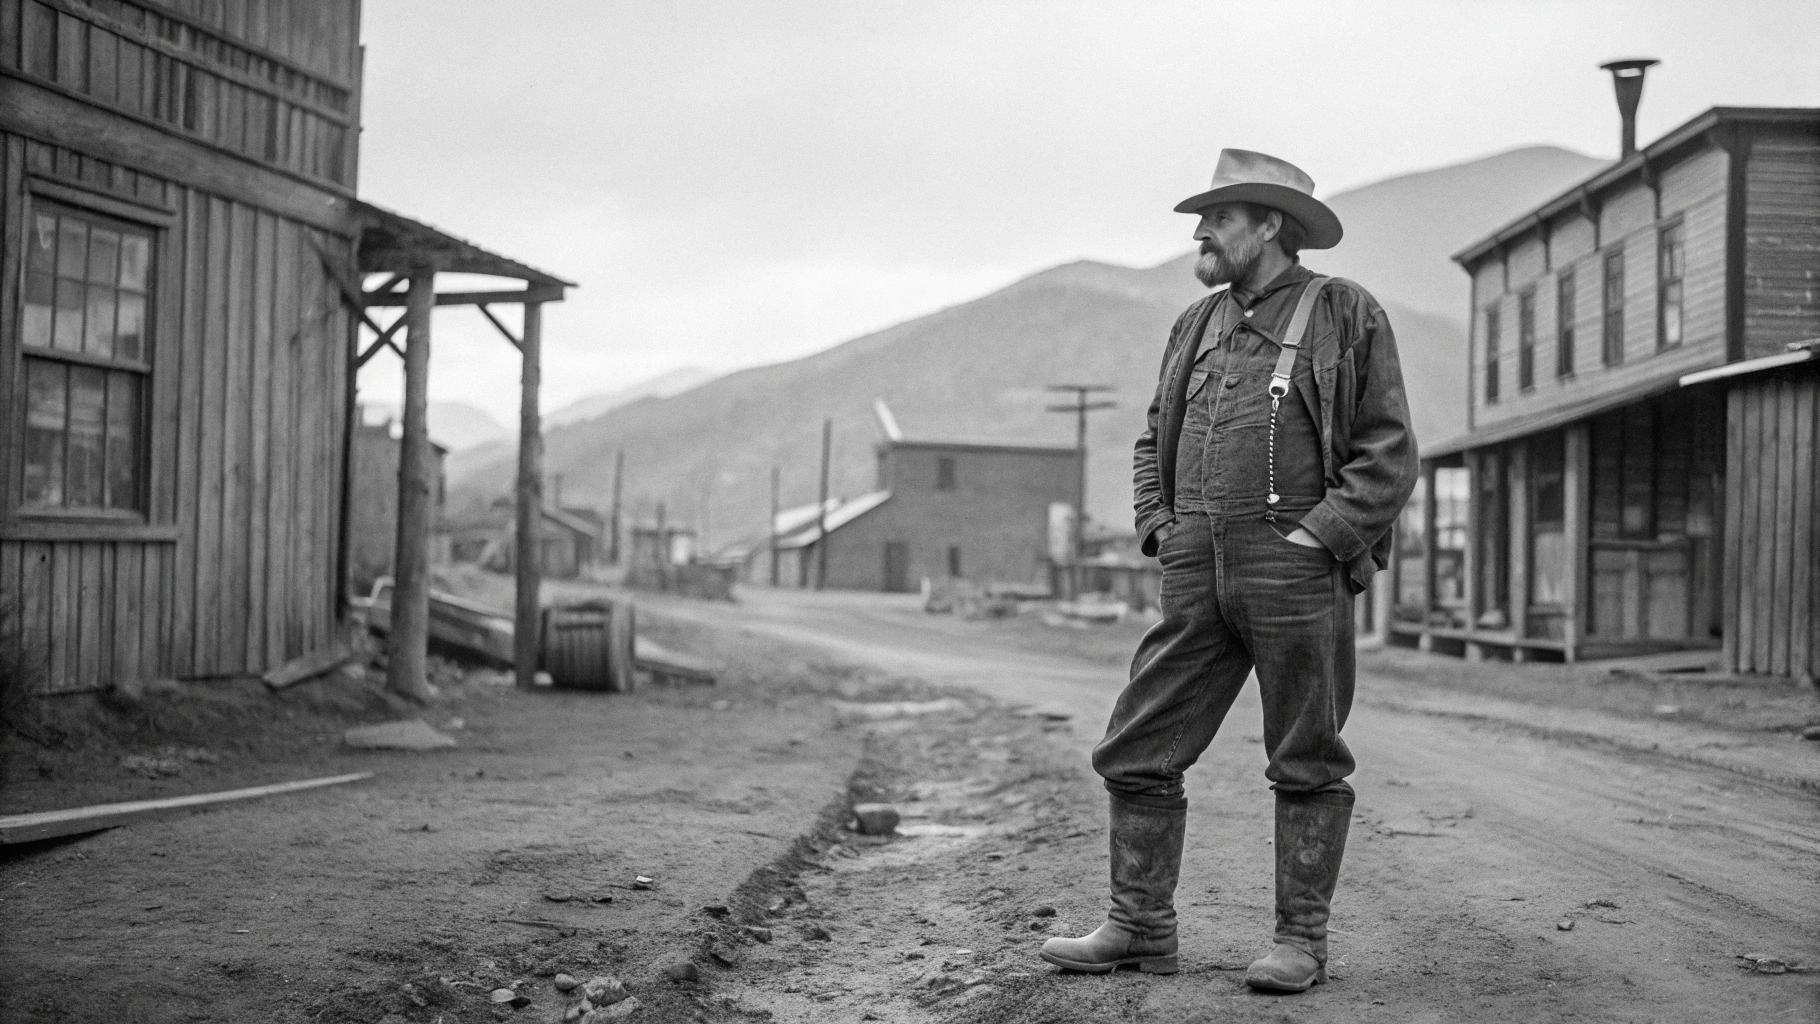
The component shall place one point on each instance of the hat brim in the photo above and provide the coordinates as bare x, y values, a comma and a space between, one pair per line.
1323, 228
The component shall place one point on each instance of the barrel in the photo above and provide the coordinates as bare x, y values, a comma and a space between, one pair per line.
588, 646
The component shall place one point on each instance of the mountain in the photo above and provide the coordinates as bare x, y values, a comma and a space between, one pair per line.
456, 426
663, 385
980, 368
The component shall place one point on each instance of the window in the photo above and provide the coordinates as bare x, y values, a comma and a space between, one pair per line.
944, 473
1548, 520
954, 562
1672, 261
83, 337
1564, 324
1491, 354
1526, 340
1613, 340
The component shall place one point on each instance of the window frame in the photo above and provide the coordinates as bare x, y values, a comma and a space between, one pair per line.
1611, 316
1567, 304
1526, 340
947, 473
1675, 228
22, 521
1493, 341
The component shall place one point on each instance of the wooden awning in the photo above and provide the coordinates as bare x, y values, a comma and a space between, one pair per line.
391, 243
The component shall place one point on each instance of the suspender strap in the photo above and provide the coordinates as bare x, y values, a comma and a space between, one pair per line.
1294, 336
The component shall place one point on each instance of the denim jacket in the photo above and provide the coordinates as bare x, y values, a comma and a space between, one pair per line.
1368, 451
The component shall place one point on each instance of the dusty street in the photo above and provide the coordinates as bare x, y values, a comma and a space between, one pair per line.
1493, 873
1496, 872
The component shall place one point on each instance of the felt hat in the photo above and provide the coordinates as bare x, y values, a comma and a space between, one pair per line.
1242, 176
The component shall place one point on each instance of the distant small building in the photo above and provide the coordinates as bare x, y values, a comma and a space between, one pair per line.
373, 514
569, 539
977, 510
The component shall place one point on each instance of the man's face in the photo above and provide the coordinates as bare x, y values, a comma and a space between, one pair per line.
1231, 244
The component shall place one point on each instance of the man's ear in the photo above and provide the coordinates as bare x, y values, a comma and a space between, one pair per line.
1273, 225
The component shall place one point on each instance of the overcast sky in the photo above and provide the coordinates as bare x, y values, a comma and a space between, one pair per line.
740, 183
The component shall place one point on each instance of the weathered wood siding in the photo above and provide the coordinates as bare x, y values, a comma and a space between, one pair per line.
1693, 190
234, 569
275, 81
1772, 557
1782, 242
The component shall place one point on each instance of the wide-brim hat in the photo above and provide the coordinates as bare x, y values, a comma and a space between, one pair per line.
1242, 176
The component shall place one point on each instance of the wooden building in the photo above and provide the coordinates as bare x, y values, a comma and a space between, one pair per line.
1596, 506
976, 510
568, 539
373, 508
180, 313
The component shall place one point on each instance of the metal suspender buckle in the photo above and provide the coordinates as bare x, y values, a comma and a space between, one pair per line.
1279, 387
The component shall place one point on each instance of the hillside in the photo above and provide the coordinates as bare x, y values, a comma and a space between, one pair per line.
979, 368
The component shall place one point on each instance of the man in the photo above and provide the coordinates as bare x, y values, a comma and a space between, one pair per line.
1277, 455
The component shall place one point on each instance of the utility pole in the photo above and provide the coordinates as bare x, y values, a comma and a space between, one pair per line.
1080, 408
619, 476
771, 530
821, 509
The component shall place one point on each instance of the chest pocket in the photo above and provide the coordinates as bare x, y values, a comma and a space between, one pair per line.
1196, 381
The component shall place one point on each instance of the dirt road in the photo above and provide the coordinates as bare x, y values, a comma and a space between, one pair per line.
1492, 875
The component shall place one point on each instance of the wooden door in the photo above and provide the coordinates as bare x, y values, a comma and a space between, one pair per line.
897, 566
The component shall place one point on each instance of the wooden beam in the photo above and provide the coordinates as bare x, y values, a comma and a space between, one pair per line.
530, 502
75, 821
516, 343
533, 293
309, 666
383, 341
410, 634
1576, 494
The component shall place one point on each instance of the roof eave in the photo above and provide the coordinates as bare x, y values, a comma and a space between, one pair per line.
1611, 175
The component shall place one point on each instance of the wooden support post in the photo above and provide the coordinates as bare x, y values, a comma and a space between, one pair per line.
1576, 484
619, 476
410, 632
528, 562
821, 509
1516, 491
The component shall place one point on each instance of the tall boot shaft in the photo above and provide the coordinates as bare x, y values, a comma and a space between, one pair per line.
1140, 926
1146, 846
1310, 843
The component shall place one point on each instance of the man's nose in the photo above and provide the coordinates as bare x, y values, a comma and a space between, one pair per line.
1201, 233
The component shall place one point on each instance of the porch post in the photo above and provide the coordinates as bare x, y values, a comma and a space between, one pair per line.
1576, 486
525, 643
410, 637
1516, 490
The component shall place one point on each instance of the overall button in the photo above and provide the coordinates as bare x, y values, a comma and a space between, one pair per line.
1232, 382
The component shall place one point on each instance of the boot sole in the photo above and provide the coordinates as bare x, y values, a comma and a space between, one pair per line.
1146, 964
1267, 984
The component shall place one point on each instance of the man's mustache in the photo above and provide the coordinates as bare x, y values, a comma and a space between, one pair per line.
1209, 249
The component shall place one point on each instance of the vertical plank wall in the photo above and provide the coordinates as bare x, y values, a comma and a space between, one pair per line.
244, 428
1772, 605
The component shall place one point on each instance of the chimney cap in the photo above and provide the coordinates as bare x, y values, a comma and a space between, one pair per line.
1632, 65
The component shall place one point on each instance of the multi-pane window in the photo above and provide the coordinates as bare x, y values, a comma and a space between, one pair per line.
1564, 323
1526, 340
1613, 339
1672, 261
1492, 342
944, 473
85, 359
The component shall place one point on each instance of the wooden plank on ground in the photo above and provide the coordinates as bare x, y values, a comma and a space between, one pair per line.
25, 828
659, 660
309, 666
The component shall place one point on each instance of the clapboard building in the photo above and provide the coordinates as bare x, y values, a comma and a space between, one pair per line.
1611, 495
180, 307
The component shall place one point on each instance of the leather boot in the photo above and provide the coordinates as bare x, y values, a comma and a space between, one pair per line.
1311, 840
1140, 926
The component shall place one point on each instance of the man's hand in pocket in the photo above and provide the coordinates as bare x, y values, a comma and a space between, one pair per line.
1304, 538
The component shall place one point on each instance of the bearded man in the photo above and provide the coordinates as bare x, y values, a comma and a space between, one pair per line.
1277, 455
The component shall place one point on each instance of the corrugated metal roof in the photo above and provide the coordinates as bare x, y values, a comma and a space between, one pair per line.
839, 517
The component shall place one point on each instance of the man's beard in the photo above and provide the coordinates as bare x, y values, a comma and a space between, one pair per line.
1216, 267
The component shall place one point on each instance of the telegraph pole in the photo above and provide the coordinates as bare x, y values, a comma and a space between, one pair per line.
1080, 408
619, 476
771, 530
821, 509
